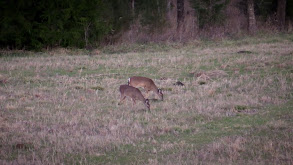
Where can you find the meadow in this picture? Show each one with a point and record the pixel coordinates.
(236, 105)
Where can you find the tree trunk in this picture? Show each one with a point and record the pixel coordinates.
(180, 13)
(158, 6)
(281, 14)
(251, 17)
(132, 8)
(86, 34)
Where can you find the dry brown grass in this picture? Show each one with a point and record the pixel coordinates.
(63, 109)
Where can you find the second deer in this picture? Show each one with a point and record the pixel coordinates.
(133, 93)
(146, 83)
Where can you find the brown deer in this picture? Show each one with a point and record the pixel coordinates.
(146, 83)
(133, 93)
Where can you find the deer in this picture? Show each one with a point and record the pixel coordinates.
(146, 83)
(134, 94)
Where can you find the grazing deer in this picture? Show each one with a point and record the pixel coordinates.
(146, 83)
(133, 93)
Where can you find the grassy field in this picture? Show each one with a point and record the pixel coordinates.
(61, 107)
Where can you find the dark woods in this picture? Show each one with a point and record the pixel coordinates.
(36, 24)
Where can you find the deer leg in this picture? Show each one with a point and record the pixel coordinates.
(133, 101)
(147, 94)
(122, 98)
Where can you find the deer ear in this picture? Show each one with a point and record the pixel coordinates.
(128, 82)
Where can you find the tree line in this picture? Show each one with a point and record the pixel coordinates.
(36, 24)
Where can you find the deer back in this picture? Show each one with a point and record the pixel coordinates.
(131, 92)
(143, 82)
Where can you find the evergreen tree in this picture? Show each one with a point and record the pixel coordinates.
(209, 12)
(34, 24)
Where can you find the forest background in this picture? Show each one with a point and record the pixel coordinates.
(38, 24)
